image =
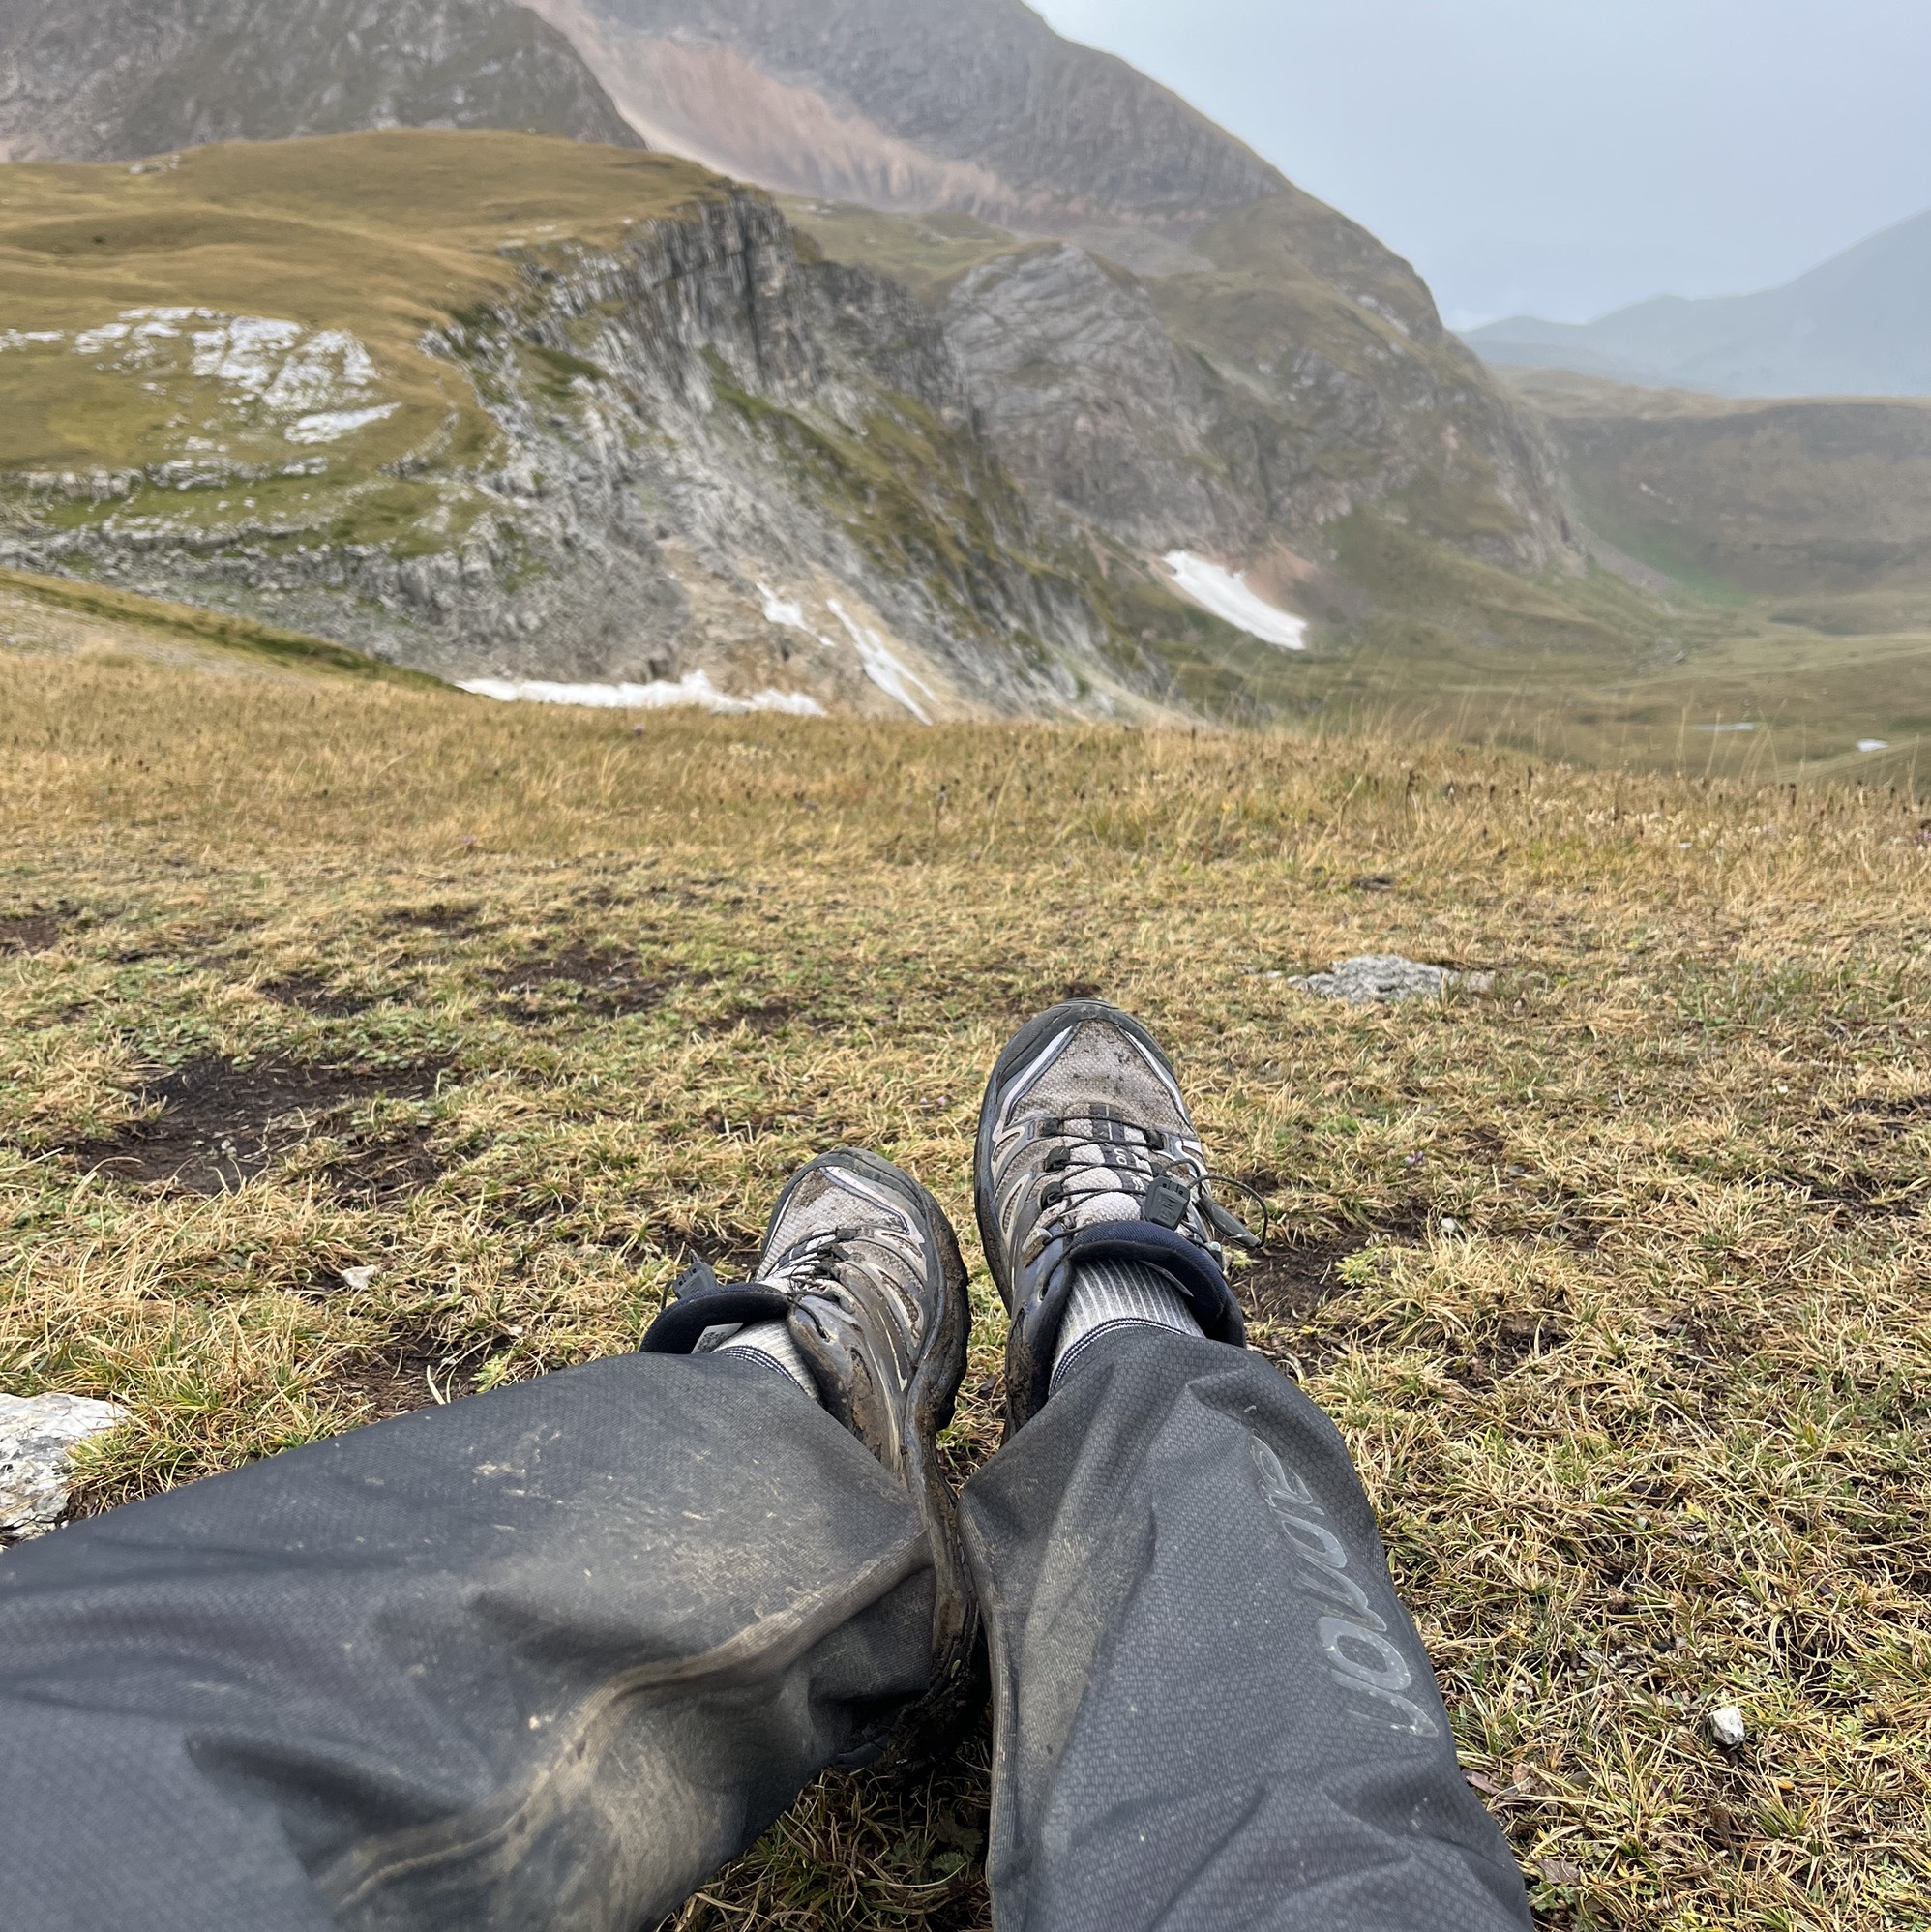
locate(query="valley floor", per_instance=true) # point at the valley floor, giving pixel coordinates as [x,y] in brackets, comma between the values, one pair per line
[362,1045]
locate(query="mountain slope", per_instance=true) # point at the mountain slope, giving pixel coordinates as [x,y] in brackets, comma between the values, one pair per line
[913,104]
[119,79]
[1210,359]
[1827,499]
[1854,326]
[515,408]
[1156,341]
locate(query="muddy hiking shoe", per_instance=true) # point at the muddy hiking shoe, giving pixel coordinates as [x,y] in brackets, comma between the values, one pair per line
[1087,1153]
[862,1267]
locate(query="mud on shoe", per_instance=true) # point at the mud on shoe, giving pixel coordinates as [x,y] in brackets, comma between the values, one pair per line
[863,1268]
[1087,1153]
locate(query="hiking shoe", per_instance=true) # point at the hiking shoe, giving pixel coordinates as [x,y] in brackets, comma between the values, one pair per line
[1087,1152]
[863,1268]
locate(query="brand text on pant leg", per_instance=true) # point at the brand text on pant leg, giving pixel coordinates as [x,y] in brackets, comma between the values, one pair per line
[1324,1558]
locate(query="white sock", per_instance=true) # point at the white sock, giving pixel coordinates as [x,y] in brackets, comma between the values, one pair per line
[771,1343]
[1118,1294]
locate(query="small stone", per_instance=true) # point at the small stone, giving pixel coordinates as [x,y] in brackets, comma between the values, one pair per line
[1383,978]
[1727,1727]
[1450,1224]
[37,1437]
[358,1279]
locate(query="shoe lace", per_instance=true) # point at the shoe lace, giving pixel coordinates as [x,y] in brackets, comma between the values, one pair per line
[1165,1172]
[806,1263]
[825,1259]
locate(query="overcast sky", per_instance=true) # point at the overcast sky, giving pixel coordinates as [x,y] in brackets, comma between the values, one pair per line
[1566,157]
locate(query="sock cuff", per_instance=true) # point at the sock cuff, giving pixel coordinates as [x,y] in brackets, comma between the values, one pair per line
[770,1343]
[1117,1294]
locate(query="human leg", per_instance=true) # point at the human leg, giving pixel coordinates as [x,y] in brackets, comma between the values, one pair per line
[1210,1709]
[542,1658]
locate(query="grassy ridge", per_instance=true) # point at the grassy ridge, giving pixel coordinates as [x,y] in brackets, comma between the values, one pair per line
[290,650]
[384,235]
[562,1002]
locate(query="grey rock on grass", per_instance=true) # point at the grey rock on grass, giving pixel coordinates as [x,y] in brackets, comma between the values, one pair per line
[1385,977]
[37,1437]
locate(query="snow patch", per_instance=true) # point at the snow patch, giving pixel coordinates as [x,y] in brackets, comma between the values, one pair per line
[788,616]
[1874,744]
[660,695]
[891,674]
[1717,731]
[332,425]
[18,338]
[1229,597]
[896,678]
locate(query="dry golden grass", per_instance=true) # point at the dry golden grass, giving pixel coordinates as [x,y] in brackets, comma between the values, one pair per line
[385,234]
[1648,1428]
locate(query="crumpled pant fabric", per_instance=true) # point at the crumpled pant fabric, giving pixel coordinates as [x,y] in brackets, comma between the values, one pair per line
[546,1657]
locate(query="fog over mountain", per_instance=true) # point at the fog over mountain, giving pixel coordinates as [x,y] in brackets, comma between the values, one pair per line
[1859,325]
[1565,160]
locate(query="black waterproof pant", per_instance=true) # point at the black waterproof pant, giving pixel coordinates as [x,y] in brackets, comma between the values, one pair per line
[548,1657]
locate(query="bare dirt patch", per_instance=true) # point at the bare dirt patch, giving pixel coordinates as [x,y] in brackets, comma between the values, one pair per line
[29,933]
[387,1173]
[576,980]
[1514,1340]
[310,994]
[220,1124]
[439,915]
[413,1372]
[1290,1281]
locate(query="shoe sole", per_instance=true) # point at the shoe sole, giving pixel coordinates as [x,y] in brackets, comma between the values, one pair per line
[928,1729]
[1025,1046]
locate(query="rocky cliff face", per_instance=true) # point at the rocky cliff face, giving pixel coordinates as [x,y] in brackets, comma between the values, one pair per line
[119,79]
[1090,402]
[1167,344]
[1263,366]
[1233,410]
[709,463]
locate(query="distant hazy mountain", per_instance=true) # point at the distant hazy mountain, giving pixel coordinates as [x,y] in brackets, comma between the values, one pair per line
[117,79]
[1861,325]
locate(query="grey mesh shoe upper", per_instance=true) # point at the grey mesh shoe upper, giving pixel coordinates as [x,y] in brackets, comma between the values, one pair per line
[1086,1149]
[861,1264]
